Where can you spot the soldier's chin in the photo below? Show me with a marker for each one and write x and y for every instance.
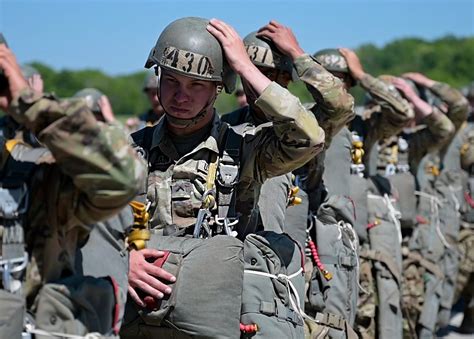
(179, 122)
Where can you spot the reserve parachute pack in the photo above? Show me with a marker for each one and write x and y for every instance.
(273, 287)
(270, 299)
(333, 258)
(206, 297)
(382, 264)
(435, 239)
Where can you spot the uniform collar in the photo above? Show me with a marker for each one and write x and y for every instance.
(162, 139)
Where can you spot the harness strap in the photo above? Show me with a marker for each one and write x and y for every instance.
(228, 174)
(385, 259)
(423, 262)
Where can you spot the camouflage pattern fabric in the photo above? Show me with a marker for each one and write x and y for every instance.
(395, 112)
(266, 151)
(334, 106)
(90, 172)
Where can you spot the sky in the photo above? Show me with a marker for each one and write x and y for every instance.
(115, 36)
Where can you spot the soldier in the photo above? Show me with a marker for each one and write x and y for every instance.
(241, 98)
(150, 86)
(33, 76)
(277, 54)
(447, 184)
(107, 238)
(75, 174)
(389, 115)
(98, 103)
(465, 283)
(201, 170)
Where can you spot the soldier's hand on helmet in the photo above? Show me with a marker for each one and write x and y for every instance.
(404, 88)
(419, 78)
(237, 56)
(36, 83)
(12, 71)
(283, 38)
(147, 277)
(353, 62)
(106, 109)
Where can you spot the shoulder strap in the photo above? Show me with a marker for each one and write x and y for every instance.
(230, 144)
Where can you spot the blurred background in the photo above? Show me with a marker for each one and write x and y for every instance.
(104, 44)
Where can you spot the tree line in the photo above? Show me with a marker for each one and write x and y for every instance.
(449, 59)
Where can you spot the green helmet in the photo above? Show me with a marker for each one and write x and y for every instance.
(185, 46)
(332, 60)
(263, 52)
(28, 71)
(150, 82)
(91, 96)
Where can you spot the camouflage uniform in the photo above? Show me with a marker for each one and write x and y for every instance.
(380, 264)
(266, 151)
(333, 108)
(84, 173)
(439, 205)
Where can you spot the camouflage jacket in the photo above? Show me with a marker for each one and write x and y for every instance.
(390, 114)
(457, 111)
(441, 140)
(408, 149)
(333, 108)
(175, 184)
(86, 172)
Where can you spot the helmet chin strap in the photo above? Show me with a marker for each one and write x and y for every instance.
(185, 123)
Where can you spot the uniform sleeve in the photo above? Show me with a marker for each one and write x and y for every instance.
(291, 139)
(458, 106)
(439, 129)
(334, 106)
(97, 159)
(396, 111)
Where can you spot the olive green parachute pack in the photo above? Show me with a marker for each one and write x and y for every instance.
(381, 265)
(333, 285)
(225, 289)
(435, 240)
(206, 297)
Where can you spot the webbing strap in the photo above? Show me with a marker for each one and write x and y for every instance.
(423, 262)
(343, 260)
(385, 259)
(292, 291)
(336, 321)
(228, 173)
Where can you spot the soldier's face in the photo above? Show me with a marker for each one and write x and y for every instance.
(184, 97)
(346, 80)
(152, 95)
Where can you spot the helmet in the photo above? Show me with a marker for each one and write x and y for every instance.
(28, 71)
(185, 46)
(91, 96)
(150, 82)
(332, 60)
(263, 52)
